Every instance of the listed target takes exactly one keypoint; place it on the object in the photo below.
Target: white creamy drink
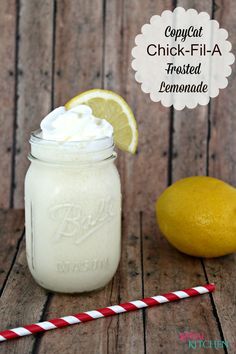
(73, 202)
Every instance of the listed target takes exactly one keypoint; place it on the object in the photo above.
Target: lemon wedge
(108, 105)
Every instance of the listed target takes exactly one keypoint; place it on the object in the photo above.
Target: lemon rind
(107, 94)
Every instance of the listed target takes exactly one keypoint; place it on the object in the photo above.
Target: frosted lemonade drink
(73, 201)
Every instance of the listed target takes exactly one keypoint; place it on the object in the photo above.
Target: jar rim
(35, 136)
(93, 149)
(74, 164)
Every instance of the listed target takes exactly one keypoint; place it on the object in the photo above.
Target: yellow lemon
(109, 105)
(197, 215)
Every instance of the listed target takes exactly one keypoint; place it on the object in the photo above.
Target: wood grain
(11, 231)
(34, 76)
(79, 48)
(152, 156)
(164, 267)
(144, 172)
(190, 127)
(119, 39)
(8, 19)
(222, 152)
(69, 46)
(82, 23)
(22, 302)
(130, 331)
(121, 334)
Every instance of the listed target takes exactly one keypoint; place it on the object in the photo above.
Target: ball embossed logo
(72, 217)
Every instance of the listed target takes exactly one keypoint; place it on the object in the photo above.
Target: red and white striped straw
(104, 312)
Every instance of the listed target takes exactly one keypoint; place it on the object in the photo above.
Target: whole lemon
(197, 215)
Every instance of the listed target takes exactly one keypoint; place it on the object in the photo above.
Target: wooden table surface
(50, 50)
(149, 266)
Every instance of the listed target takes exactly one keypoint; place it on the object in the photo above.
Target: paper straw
(104, 312)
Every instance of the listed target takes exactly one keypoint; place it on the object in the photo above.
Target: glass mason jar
(73, 214)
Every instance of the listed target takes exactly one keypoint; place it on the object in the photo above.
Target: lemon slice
(112, 107)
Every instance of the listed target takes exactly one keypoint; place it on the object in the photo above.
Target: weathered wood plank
(221, 271)
(144, 174)
(79, 48)
(34, 80)
(89, 337)
(11, 230)
(8, 18)
(222, 152)
(166, 269)
(106, 335)
(189, 154)
(190, 127)
(129, 331)
(153, 142)
(80, 34)
(222, 146)
(120, 30)
(22, 302)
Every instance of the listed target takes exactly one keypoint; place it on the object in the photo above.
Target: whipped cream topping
(75, 124)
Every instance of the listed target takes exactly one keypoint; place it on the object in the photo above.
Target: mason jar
(73, 214)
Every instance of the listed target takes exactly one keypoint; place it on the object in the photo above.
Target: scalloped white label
(182, 58)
